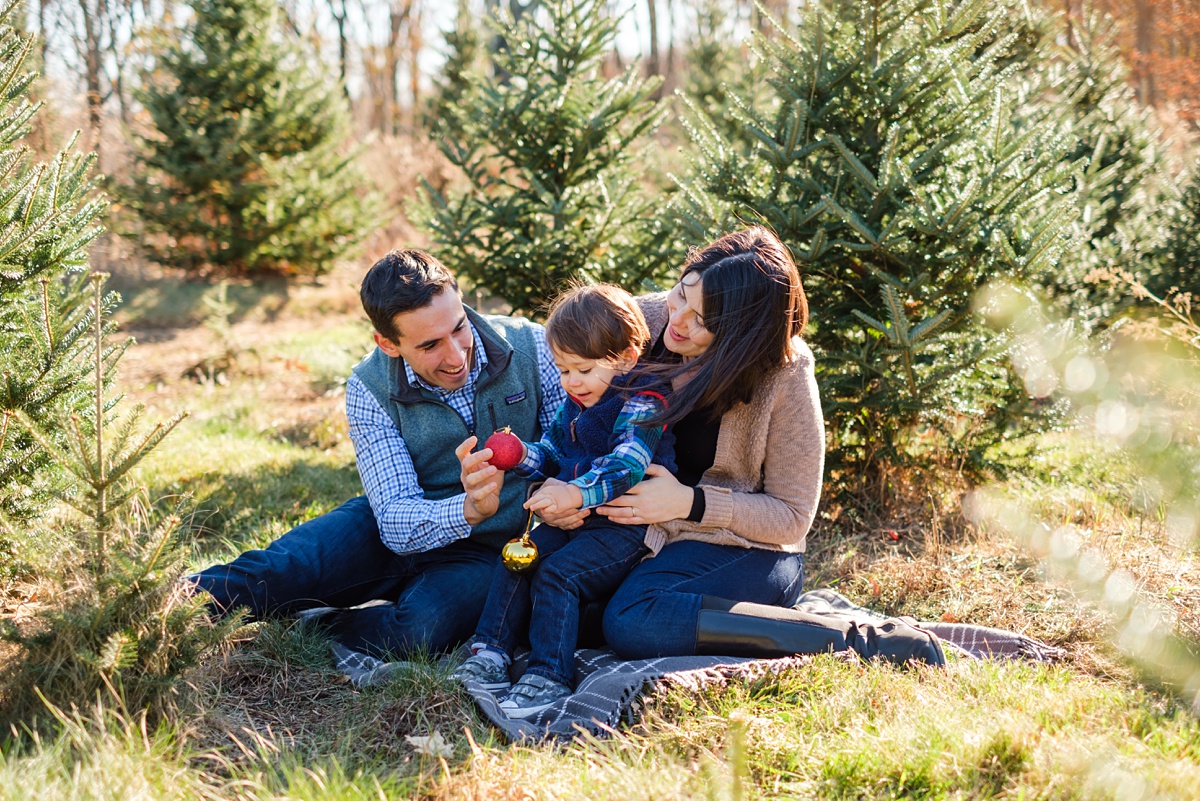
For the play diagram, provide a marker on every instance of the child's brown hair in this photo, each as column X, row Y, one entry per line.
column 596, row 321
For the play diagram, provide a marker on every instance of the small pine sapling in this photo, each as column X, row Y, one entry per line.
column 122, row 620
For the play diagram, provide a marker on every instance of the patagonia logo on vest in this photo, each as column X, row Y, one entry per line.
column 511, row 399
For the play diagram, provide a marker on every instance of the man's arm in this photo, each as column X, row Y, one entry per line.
column 408, row 523
column 614, row 473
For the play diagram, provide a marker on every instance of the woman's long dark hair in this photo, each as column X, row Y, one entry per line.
column 753, row 305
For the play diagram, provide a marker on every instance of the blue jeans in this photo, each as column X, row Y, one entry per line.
column 654, row 611
column 339, row 560
column 574, row 567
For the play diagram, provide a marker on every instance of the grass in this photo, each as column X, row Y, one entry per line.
column 266, row 448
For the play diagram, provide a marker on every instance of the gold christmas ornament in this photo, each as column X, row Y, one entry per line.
column 520, row 554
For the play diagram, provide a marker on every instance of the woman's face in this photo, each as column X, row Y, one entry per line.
column 686, row 334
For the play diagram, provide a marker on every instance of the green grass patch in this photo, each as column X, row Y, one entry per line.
column 272, row 719
column 977, row 730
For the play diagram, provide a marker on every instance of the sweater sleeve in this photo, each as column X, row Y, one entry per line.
column 792, row 470
column 542, row 458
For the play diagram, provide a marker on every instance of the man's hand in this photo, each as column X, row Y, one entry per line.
column 555, row 498
column 481, row 482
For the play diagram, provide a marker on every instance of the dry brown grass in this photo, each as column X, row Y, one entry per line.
column 918, row 555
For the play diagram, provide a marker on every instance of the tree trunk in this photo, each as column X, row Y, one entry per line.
column 669, row 68
column 415, row 43
column 1144, row 48
column 343, row 44
column 119, row 64
column 42, row 7
column 652, row 63
column 92, row 65
column 398, row 13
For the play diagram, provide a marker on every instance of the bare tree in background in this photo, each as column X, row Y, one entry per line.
column 94, row 40
column 415, row 42
column 385, row 62
column 1161, row 39
column 652, row 65
column 1144, row 49
column 341, row 16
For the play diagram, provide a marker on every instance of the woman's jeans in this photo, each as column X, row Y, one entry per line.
column 339, row 560
column 654, row 611
column 573, row 567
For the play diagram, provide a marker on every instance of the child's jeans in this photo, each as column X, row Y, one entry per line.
column 573, row 568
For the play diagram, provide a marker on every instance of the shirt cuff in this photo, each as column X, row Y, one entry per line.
column 455, row 516
column 593, row 493
column 697, row 512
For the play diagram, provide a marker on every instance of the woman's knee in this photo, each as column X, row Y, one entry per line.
column 627, row 631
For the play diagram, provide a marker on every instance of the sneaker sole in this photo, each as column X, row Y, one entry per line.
column 526, row 711
column 490, row 686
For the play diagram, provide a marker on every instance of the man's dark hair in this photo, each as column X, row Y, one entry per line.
column 403, row 280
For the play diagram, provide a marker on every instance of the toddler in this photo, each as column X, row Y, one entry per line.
column 599, row 445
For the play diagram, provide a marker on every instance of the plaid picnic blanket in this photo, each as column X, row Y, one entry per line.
column 608, row 689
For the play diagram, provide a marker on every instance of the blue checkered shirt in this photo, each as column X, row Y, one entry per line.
column 408, row 523
column 611, row 474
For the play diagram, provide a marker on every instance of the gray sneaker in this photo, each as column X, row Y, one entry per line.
column 487, row 673
column 531, row 695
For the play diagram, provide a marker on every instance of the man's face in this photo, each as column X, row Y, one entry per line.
column 435, row 340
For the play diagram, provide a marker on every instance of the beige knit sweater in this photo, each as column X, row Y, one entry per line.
column 765, row 482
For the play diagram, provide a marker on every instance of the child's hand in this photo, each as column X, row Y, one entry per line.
column 555, row 499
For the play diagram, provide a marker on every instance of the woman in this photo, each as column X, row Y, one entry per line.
column 728, row 529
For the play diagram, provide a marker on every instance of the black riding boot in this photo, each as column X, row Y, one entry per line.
column 746, row 629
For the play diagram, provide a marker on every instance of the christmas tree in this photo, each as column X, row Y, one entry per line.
column 889, row 159
column 554, row 161
column 48, row 215
column 1183, row 239
column 464, row 59
column 119, row 621
column 122, row 622
column 245, row 169
column 1123, row 192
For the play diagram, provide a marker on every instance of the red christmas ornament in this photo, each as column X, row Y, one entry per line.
column 506, row 448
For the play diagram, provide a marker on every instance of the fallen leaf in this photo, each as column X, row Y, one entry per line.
column 433, row 745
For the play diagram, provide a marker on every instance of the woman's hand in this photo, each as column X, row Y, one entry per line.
column 566, row 520
column 657, row 498
column 481, row 481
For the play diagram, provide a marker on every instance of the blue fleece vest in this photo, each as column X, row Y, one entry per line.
column 507, row 393
column 590, row 434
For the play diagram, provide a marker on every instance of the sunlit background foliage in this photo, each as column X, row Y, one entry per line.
column 996, row 211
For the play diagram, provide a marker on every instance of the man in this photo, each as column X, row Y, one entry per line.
column 441, row 378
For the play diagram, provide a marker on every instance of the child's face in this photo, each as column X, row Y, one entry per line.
column 586, row 380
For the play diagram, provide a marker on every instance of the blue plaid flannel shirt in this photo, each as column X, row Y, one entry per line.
column 612, row 474
column 408, row 523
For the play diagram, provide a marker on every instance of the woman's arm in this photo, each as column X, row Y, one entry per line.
column 792, row 468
